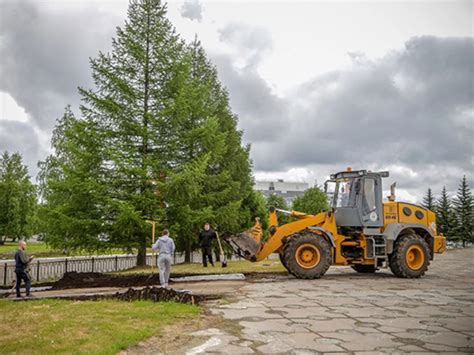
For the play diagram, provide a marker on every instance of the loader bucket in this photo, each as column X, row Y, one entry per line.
column 246, row 244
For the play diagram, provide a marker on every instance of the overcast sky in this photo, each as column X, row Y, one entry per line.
column 318, row 86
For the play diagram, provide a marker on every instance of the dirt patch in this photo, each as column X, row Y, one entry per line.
column 94, row 279
column 156, row 294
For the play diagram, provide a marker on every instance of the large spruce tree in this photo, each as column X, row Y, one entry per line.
column 163, row 141
column 464, row 208
column 211, row 166
column 134, row 86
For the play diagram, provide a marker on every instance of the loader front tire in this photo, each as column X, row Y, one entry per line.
column 282, row 260
column 307, row 256
column 410, row 257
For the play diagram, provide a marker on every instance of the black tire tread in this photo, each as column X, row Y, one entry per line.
column 396, row 260
column 324, row 249
column 282, row 259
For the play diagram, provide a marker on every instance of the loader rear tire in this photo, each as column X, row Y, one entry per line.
column 410, row 257
column 364, row 269
column 307, row 256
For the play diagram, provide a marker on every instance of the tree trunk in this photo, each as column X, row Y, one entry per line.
column 141, row 257
column 187, row 252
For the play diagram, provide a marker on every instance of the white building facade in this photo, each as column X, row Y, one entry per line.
column 286, row 189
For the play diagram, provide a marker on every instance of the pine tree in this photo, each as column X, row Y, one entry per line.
column 228, row 184
column 428, row 200
column 157, row 141
column 445, row 217
column 17, row 198
column 134, row 89
column 463, row 207
column 209, row 144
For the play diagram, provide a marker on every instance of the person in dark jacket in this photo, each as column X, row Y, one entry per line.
column 205, row 241
column 21, row 269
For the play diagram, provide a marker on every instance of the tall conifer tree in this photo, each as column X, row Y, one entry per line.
column 134, row 85
column 464, row 208
column 209, row 143
column 428, row 200
column 445, row 218
column 167, row 147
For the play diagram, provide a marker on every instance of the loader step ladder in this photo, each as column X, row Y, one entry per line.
column 379, row 249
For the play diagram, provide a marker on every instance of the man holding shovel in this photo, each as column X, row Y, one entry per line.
column 206, row 236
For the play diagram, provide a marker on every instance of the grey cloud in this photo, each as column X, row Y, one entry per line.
column 20, row 137
column 45, row 55
column 401, row 109
column 261, row 113
column 252, row 42
column 192, row 9
column 412, row 108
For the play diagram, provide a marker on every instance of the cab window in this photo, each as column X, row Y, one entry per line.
column 346, row 192
column 368, row 200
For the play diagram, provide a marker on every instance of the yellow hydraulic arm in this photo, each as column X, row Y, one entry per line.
column 248, row 244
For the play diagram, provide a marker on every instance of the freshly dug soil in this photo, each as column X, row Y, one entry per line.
column 75, row 279
column 156, row 294
column 94, row 279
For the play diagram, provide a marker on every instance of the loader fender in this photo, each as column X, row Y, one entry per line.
column 327, row 234
column 393, row 231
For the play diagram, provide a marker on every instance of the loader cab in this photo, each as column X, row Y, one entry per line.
column 357, row 199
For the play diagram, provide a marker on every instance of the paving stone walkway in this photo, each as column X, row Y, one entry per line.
column 346, row 312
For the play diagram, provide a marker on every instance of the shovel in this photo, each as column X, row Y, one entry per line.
column 223, row 256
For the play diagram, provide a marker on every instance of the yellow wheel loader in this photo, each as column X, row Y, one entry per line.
column 360, row 230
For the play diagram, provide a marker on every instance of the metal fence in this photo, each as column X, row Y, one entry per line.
column 45, row 269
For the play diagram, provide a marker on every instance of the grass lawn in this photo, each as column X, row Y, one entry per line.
column 10, row 248
column 105, row 327
column 41, row 250
column 243, row 266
